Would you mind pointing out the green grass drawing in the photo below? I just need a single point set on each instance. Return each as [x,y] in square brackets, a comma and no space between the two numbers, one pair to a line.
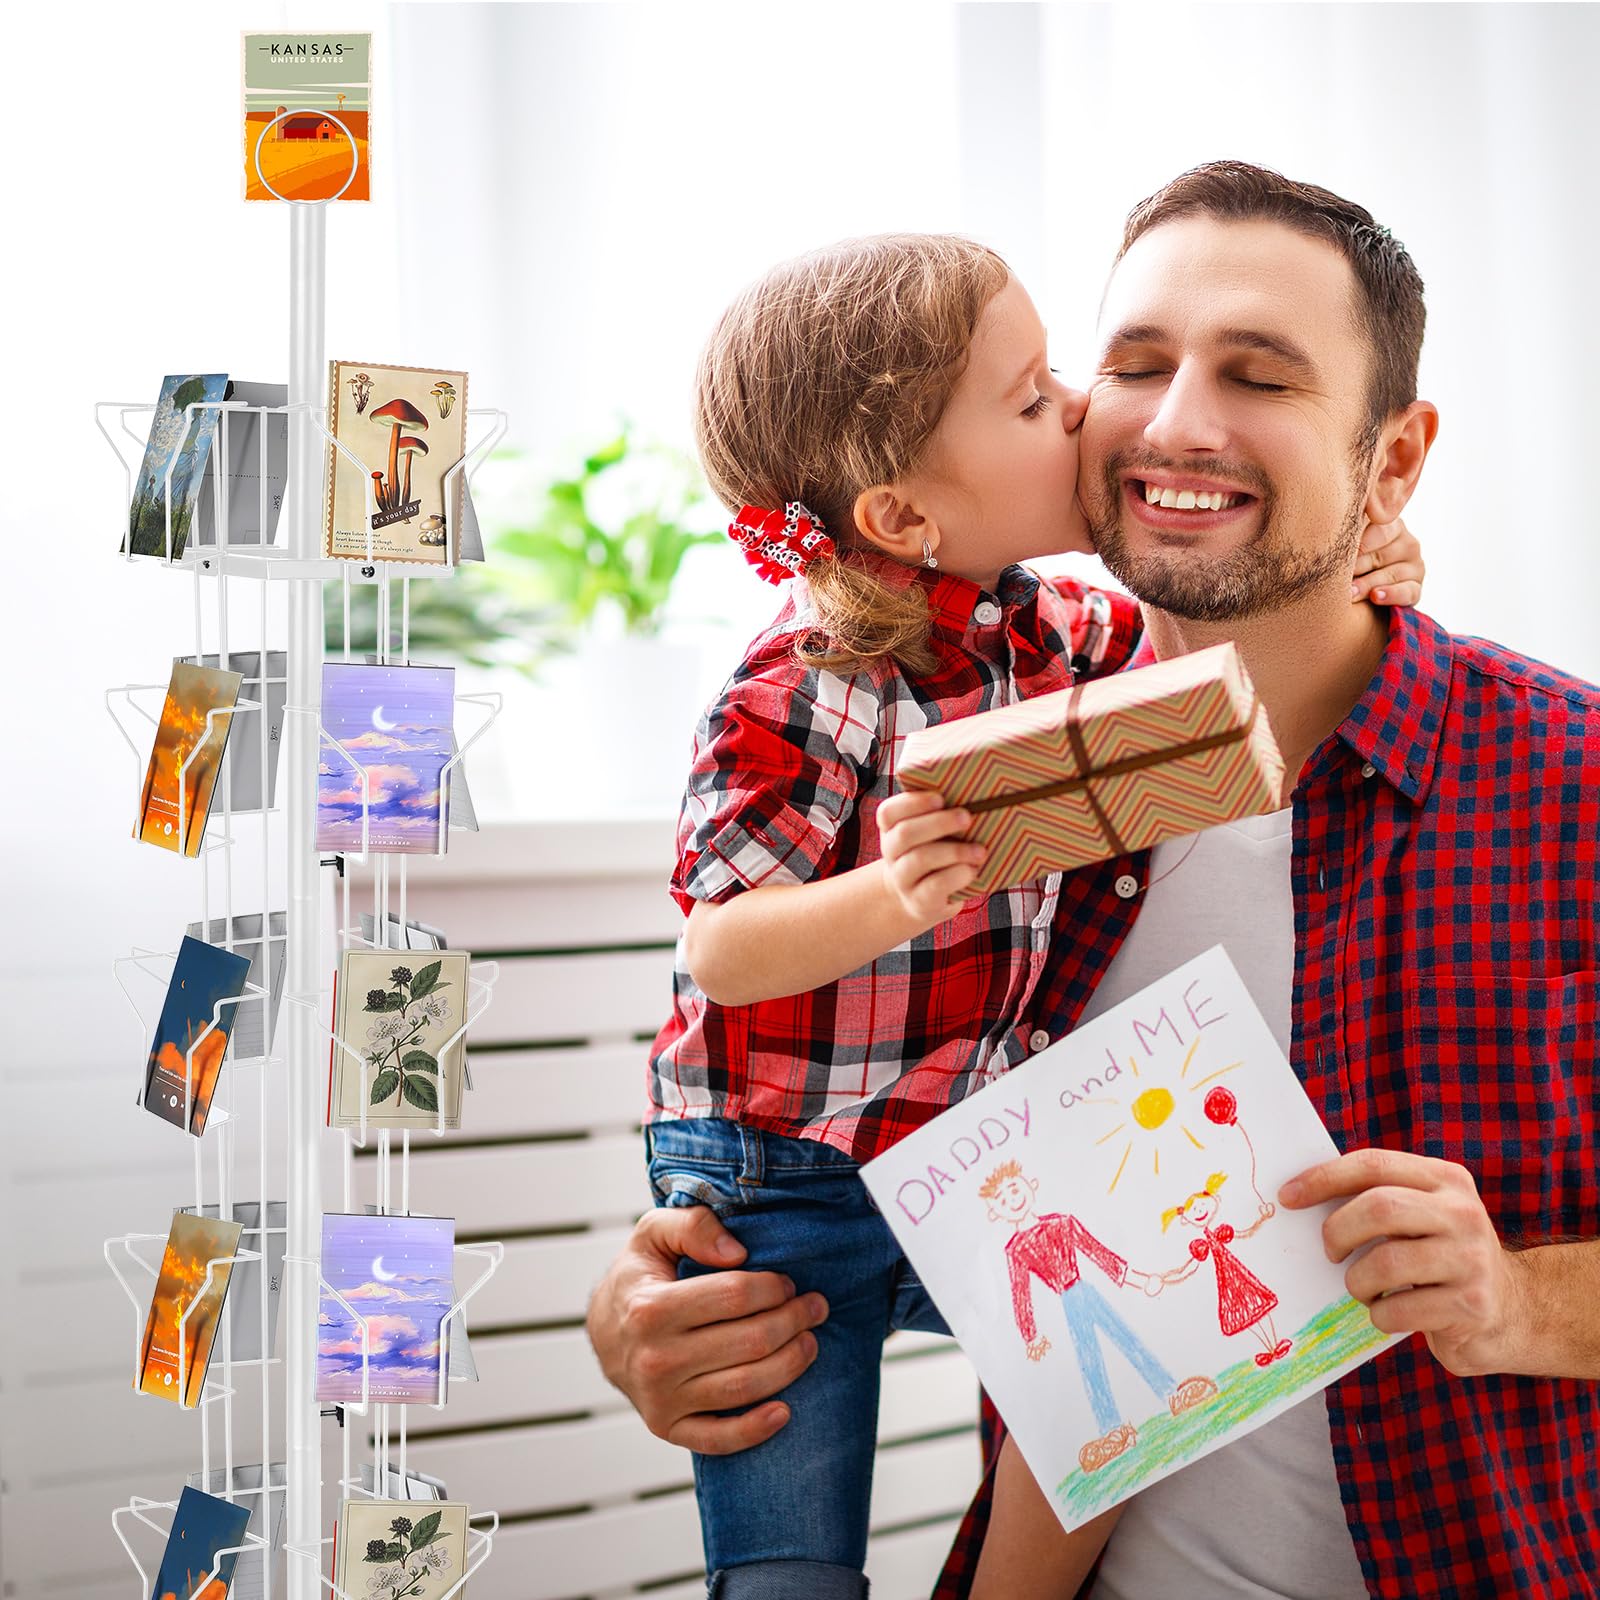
[1331,1338]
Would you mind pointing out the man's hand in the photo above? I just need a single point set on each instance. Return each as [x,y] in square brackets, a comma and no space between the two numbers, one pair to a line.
[924,859]
[683,1349]
[1037,1348]
[1436,1265]
[1137,1278]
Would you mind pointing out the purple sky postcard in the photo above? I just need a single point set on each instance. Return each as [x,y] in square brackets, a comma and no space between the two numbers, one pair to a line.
[1098,1227]
[397,723]
[398,1275]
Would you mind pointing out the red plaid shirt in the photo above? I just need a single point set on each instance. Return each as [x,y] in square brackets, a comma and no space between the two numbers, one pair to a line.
[1446,879]
[790,765]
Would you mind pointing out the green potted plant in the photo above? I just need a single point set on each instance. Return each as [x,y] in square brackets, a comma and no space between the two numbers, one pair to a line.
[606,542]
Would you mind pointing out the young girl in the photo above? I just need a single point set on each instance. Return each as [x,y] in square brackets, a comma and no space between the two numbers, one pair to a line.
[1243,1300]
[883,417]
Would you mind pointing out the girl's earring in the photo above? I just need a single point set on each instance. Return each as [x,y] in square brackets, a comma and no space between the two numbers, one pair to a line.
[929,559]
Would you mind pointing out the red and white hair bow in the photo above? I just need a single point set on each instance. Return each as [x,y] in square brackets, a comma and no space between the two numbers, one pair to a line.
[778,544]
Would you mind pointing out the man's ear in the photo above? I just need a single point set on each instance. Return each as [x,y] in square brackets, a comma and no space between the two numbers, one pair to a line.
[887,519]
[994,1216]
[1397,463]
[1033,1183]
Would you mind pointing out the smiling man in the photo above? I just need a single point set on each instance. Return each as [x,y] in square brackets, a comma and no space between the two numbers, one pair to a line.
[1420,925]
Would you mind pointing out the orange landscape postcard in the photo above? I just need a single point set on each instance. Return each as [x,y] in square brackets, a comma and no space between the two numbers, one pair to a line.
[187,753]
[191,1245]
[307,98]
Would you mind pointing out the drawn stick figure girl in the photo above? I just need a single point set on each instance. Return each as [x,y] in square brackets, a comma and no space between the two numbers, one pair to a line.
[1243,1300]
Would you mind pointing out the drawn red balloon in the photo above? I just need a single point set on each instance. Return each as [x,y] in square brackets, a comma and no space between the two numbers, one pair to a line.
[1221,1106]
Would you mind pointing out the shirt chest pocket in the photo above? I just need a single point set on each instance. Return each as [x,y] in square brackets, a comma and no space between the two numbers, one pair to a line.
[1505,1081]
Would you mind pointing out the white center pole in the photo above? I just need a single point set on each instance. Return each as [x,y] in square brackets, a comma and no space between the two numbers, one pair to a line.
[303,976]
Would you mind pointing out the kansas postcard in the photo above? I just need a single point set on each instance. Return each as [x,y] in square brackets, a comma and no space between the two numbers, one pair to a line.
[307,101]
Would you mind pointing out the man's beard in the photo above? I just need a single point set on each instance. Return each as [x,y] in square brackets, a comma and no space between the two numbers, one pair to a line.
[1266,574]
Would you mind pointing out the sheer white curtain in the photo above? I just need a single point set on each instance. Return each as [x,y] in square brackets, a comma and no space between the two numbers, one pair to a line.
[603,177]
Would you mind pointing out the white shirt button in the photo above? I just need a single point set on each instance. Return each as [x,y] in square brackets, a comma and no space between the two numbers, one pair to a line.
[1127,886]
[1367,769]
[1038,1039]
[986,613]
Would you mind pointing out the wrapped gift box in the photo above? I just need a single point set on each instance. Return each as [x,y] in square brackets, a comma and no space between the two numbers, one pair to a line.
[1103,768]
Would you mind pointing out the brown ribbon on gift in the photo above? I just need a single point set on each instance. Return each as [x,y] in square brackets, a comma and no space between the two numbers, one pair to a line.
[1117,769]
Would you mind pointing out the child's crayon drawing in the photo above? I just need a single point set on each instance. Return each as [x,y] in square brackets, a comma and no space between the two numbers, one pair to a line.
[1098,1230]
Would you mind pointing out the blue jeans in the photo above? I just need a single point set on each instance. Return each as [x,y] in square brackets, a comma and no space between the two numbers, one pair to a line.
[788,1518]
[1088,1316]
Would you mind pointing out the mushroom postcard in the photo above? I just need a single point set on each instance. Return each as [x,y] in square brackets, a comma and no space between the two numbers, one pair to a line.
[400,430]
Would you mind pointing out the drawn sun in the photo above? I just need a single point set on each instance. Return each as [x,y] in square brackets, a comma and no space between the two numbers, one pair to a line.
[1154,1111]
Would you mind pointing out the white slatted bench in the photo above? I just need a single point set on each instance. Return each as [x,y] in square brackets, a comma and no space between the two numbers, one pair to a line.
[551,1161]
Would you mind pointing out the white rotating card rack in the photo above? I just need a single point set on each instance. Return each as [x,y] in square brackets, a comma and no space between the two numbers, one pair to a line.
[280,1088]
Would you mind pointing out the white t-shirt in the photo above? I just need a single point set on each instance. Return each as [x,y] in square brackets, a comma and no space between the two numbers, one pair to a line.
[1259,1518]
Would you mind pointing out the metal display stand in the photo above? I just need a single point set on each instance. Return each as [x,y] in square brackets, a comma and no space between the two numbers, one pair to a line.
[295,1050]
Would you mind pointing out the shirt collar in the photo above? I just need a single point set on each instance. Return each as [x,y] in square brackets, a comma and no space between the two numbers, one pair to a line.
[951,600]
[1396,724]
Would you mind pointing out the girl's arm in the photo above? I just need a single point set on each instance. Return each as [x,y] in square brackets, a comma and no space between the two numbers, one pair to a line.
[1267,1210]
[788,938]
[1026,1555]
[1390,569]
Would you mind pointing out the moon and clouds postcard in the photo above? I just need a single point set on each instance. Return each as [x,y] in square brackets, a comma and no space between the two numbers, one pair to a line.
[397,1273]
[395,723]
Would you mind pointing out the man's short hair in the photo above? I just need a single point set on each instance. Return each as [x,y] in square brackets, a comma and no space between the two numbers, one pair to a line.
[1388,286]
[990,1186]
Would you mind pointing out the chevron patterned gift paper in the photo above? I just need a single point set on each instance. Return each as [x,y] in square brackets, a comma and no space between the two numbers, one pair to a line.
[1103,768]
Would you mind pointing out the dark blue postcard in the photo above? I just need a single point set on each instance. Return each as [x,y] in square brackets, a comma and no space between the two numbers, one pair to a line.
[184,1053]
[203,1526]
[396,724]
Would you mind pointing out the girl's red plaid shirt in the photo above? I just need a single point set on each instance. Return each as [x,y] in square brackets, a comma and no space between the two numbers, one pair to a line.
[789,767]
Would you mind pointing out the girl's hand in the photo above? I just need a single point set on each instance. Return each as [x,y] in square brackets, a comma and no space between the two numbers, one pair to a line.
[1389,569]
[925,861]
